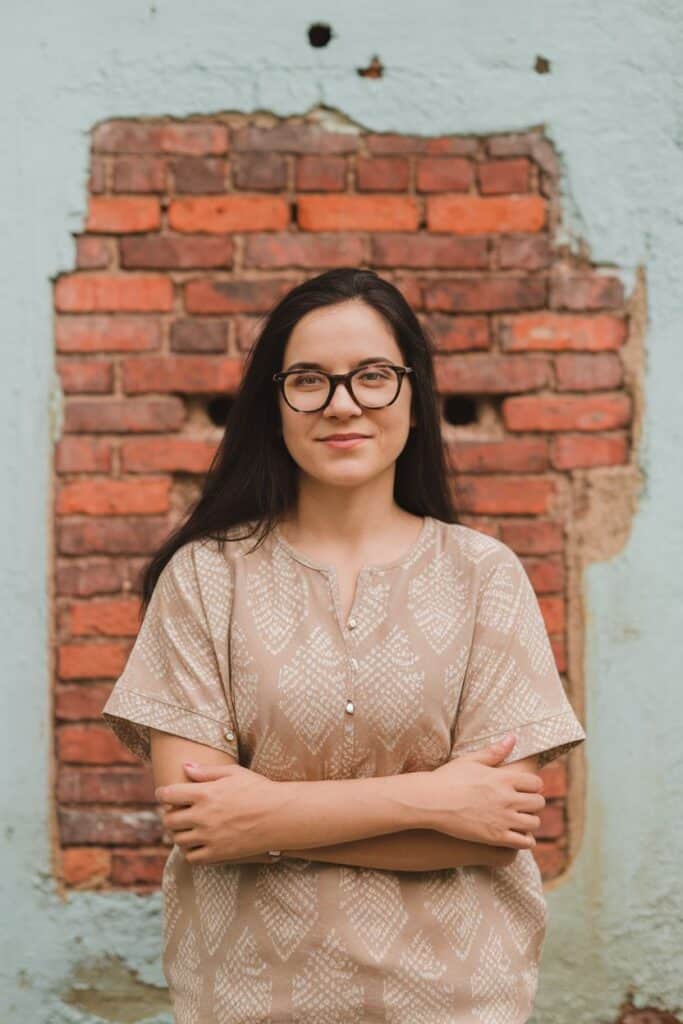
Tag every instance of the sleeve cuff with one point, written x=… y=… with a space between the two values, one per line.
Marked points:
x=130 y=713
x=548 y=737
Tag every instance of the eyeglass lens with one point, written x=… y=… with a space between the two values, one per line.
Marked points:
x=372 y=386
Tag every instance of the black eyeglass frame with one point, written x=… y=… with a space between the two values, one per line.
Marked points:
x=337 y=378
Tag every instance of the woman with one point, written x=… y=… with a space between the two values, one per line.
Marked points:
x=356 y=843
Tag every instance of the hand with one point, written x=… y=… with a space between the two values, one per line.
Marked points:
x=220 y=817
x=487 y=804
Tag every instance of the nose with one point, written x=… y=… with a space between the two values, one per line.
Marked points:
x=342 y=402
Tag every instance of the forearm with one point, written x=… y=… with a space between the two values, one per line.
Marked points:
x=315 y=814
x=409 y=850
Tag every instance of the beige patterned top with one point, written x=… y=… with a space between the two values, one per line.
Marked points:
x=444 y=650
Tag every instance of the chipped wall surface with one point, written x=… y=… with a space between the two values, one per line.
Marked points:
x=604 y=81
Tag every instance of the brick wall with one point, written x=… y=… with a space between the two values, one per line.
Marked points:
x=194 y=229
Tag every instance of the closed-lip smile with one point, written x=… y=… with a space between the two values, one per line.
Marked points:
x=341 y=437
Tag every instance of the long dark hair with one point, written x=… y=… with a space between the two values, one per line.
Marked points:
x=252 y=475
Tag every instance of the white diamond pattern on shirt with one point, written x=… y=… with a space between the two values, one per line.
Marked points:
x=493 y=984
x=390 y=688
x=374 y=907
x=453 y=899
x=243 y=990
x=273 y=760
x=326 y=989
x=245 y=680
x=286 y=899
x=314 y=668
x=437 y=598
x=183 y=973
x=216 y=889
x=525 y=917
x=418 y=991
x=498 y=685
x=278 y=598
x=454 y=676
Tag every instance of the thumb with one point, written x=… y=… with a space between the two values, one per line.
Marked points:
x=206 y=772
x=494 y=752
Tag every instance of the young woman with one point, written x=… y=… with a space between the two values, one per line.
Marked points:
x=356 y=843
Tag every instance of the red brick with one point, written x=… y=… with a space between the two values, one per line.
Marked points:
x=189 y=374
x=556 y=331
x=139 y=174
x=382 y=174
x=107 y=334
x=550 y=858
x=429 y=251
x=94 y=576
x=358 y=213
x=116 y=536
x=293 y=138
x=105 y=785
x=476 y=215
x=97 y=179
x=320 y=174
x=586 y=291
x=500 y=176
x=479 y=523
x=82 y=455
x=546 y=574
x=81 y=377
x=259 y=171
x=84 y=865
x=206 y=296
x=175 y=252
x=554 y=777
x=104 y=825
x=126 y=415
x=524 y=252
x=181 y=455
x=552 y=609
x=490 y=374
x=114 y=497
x=93 y=252
x=529 y=144
x=566 y=412
x=104 y=293
x=192 y=335
x=559 y=649
x=577 y=451
x=131 y=866
x=76 y=701
x=552 y=822
x=443 y=174
x=484 y=294
x=118 y=213
x=119 y=616
x=445 y=145
x=220 y=215
x=511 y=455
x=91 y=661
x=191 y=139
x=533 y=536
x=503 y=495
x=295 y=249
x=196 y=175
x=458 y=333
x=588 y=372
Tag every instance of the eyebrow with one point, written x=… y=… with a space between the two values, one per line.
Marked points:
x=319 y=366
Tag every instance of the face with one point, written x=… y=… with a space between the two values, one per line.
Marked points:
x=338 y=338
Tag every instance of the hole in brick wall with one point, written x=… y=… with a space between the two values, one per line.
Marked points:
x=319 y=34
x=459 y=410
x=542 y=66
x=217 y=409
x=375 y=69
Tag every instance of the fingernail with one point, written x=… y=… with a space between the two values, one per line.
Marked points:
x=190 y=764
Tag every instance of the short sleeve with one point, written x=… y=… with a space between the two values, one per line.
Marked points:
x=177 y=676
x=511 y=682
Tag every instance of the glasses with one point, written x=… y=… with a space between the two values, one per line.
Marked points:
x=371 y=387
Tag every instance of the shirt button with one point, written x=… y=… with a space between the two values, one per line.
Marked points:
x=349 y=707
x=229 y=735
x=352 y=623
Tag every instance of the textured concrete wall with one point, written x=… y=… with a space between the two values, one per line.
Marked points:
x=610 y=100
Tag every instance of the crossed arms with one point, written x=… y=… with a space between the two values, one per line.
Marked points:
x=354 y=811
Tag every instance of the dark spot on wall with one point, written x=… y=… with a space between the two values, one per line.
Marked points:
x=542 y=65
x=218 y=409
x=459 y=410
x=319 y=34
x=375 y=69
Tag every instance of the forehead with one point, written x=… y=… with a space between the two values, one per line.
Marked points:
x=344 y=333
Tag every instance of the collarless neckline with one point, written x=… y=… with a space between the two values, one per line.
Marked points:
x=299 y=556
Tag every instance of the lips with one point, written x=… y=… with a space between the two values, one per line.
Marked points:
x=341 y=437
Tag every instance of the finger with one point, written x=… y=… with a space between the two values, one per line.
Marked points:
x=177 y=793
x=176 y=820
x=527 y=821
x=531 y=802
x=209 y=771
x=518 y=840
x=190 y=838
x=198 y=856
x=527 y=782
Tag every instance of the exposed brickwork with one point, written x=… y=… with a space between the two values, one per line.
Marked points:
x=194 y=229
